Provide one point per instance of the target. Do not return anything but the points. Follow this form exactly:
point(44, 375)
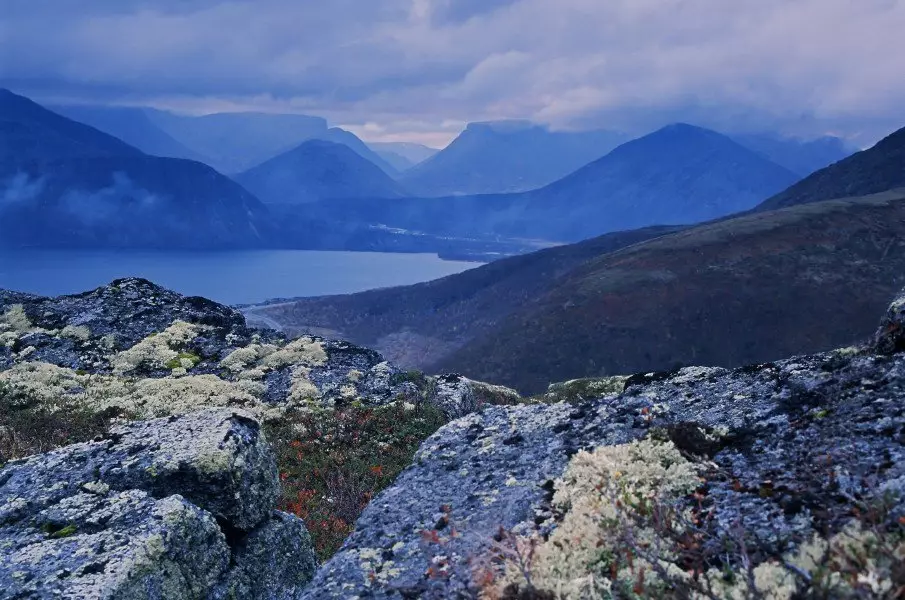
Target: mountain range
point(67, 184)
point(680, 174)
point(507, 156)
point(737, 290)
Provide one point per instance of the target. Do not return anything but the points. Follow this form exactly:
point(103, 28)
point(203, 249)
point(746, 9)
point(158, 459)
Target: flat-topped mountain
point(318, 170)
point(507, 156)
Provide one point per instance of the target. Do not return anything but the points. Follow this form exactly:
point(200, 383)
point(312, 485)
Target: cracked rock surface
point(788, 445)
point(179, 507)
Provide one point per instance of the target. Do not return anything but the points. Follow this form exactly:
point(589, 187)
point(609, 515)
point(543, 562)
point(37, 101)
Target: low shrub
point(333, 462)
point(30, 426)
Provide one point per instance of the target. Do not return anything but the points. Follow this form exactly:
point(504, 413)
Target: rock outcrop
point(179, 507)
point(137, 347)
point(786, 451)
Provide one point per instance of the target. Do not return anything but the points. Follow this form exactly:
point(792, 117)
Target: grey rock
point(775, 423)
point(458, 396)
point(180, 507)
point(274, 562)
point(216, 458)
point(100, 545)
point(127, 311)
point(890, 336)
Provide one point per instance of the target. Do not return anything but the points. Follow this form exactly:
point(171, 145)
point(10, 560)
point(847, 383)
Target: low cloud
point(805, 67)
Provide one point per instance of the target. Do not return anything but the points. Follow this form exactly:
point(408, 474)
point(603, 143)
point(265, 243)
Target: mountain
point(29, 132)
point(507, 156)
point(876, 169)
point(741, 290)
point(802, 157)
point(318, 170)
point(347, 138)
point(65, 184)
point(402, 155)
point(133, 126)
point(234, 142)
point(678, 175)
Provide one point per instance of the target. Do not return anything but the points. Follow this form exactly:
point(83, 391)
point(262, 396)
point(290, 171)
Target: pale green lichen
point(592, 492)
point(79, 333)
point(156, 351)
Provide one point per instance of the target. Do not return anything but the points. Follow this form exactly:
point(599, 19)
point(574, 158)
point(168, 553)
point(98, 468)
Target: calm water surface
point(227, 277)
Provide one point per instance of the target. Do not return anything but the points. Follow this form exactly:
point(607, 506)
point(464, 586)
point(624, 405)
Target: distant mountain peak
point(316, 170)
point(870, 171)
point(504, 126)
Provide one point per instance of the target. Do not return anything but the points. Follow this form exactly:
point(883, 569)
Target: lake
point(234, 277)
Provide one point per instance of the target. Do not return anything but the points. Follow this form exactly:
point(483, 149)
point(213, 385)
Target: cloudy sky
point(419, 69)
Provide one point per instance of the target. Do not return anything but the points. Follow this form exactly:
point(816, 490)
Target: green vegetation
point(333, 462)
point(30, 426)
point(63, 532)
point(634, 524)
point(184, 360)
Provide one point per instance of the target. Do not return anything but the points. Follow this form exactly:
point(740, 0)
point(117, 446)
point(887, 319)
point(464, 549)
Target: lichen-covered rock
point(274, 562)
point(102, 544)
point(179, 507)
point(580, 390)
point(458, 396)
point(890, 336)
point(216, 458)
point(787, 450)
point(163, 353)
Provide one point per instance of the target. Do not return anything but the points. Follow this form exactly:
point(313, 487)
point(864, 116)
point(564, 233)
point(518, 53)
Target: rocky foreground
point(776, 480)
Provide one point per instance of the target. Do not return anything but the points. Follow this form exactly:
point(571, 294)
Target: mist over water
point(240, 277)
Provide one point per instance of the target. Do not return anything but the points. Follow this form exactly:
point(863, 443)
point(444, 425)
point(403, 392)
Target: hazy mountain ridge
point(68, 184)
point(133, 126)
point(678, 175)
point(802, 157)
point(402, 155)
point(870, 171)
point(318, 170)
point(29, 133)
point(505, 157)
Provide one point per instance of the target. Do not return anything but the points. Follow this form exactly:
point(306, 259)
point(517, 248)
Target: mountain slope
point(133, 126)
point(732, 292)
point(420, 324)
point(506, 157)
point(75, 186)
point(678, 175)
point(318, 170)
point(876, 169)
point(234, 142)
point(349, 139)
point(29, 132)
point(409, 152)
point(802, 157)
